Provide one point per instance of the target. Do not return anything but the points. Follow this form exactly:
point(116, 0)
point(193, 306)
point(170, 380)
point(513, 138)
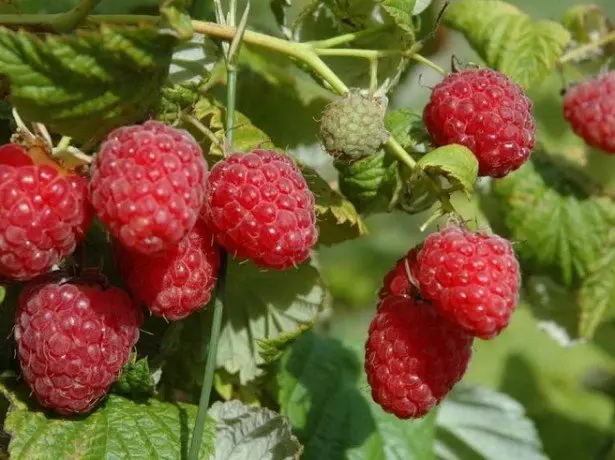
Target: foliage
point(288, 376)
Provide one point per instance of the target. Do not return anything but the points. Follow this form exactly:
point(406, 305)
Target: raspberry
point(177, 282)
point(72, 342)
point(400, 280)
point(589, 107)
point(353, 127)
point(259, 207)
point(148, 185)
point(471, 278)
point(413, 356)
point(486, 112)
point(44, 212)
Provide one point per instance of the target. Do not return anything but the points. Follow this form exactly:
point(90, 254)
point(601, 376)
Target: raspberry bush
point(298, 229)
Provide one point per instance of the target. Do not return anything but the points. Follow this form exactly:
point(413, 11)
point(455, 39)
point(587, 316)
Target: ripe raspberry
point(413, 356)
point(400, 280)
point(72, 342)
point(44, 212)
point(177, 282)
point(589, 107)
point(259, 207)
point(352, 127)
point(488, 113)
point(471, 278)
point(148, 185)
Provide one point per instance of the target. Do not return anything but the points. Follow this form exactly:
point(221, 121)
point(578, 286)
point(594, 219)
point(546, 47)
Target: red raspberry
point(413, 356)
point(471, 278)
point(589, 107)
point(401, 279)
point(177, 282)
point(72, 342)
point(44, 212)
point(259, 207)
point(148, 185)
point(488, 113)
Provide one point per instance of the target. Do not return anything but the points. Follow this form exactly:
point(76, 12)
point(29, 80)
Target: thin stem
point(400, 153)
point(70, 20)
point(203, 129)
point(231, 93)
point(121, 19)
point(347, 38)
point(373, 75)
point(60, 22)
point(358, 53)
point(423, 60)
point(210, 365)
point(581, 51)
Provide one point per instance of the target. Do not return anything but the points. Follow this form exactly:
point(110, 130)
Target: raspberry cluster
point(456, 286)
point(168, 221)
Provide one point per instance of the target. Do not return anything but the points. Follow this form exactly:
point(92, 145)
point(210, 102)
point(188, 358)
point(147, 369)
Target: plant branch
point(581, 51)
point(59, 23)
point(210, 365)
point(347, 38)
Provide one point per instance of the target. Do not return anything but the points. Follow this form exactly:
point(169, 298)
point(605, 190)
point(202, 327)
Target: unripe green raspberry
point(353, 127)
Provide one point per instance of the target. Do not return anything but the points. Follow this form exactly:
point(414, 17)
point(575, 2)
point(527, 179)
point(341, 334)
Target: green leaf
point(84, 85)
point(583, 21)
point(406, 126)
point(136, 379)
point(338, 219)
point(175, 20)
point(193, 59)
point(249, 433)
point(321, 389)
point(268, 307)
point(247, 136)
point(475, 422)
point(119, 428)
point(2, 293)
point(508, 39)
point(560, 228)
point(272, 349)
point(369, 183)
point(401, 11)
point(456, 163)
point(597, 293)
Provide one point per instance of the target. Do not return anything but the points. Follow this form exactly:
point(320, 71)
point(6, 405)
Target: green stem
point(59, 23)
point(583, 50)
point(396, 149)
point(358, 53)
point(210, 365)
point(423, 60)
point(231, 94)
point(349, 37)
point(121, 19)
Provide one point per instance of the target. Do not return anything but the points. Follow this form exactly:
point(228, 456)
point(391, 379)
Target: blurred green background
point(565, 390)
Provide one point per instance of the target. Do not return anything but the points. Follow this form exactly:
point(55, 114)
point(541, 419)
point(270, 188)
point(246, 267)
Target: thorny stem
point(583, 50)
